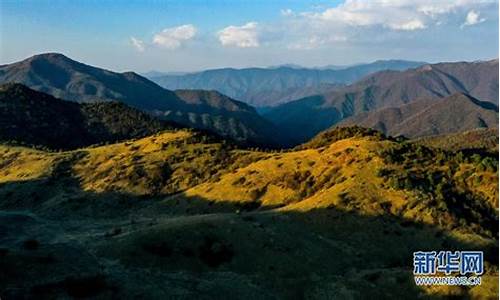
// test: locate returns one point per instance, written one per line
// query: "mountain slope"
(388, 89)
(273, 86)
(35, 118)
(64, 78)
(175, 215)
(425, 117)
(216, 112)
(213, 111)
(67, 79)
(478, 139)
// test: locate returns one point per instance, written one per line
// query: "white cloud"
(410, 25)
(137, 44)
(366, 20)
(314, 42)
(472, 18)
(174, 37)
(393, 14)
(351, 23)
(287, 12)
(245, 36)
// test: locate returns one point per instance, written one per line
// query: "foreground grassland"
(179, 214)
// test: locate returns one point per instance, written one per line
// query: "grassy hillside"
(178, 214)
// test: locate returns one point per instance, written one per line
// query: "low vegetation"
(196, 205)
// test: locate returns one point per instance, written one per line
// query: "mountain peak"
(51, 56)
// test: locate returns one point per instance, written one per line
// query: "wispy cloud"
(352, 21)
(410, 25)
(245, 36)
(174, 37)
(473, 18)
(315, 41)
(287, 12)
(137, 44)
(393, 14)
(355, 19)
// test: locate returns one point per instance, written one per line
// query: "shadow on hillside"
(194, 248)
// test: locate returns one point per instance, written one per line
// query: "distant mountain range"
(389, 89)
(428, 100)
(153, 73)
(35, 118)
(429, 116)
(263, 87)
(61, 77)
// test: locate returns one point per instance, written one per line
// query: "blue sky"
(194, 35)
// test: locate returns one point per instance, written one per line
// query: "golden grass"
(345, 167)
(342, 175)
(20, 164)
(113, 167)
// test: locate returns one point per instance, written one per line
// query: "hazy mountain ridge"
(296, 121)
(427, 117)
(213, 100)
(272, 86)
(387, 89)
(67, 79)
